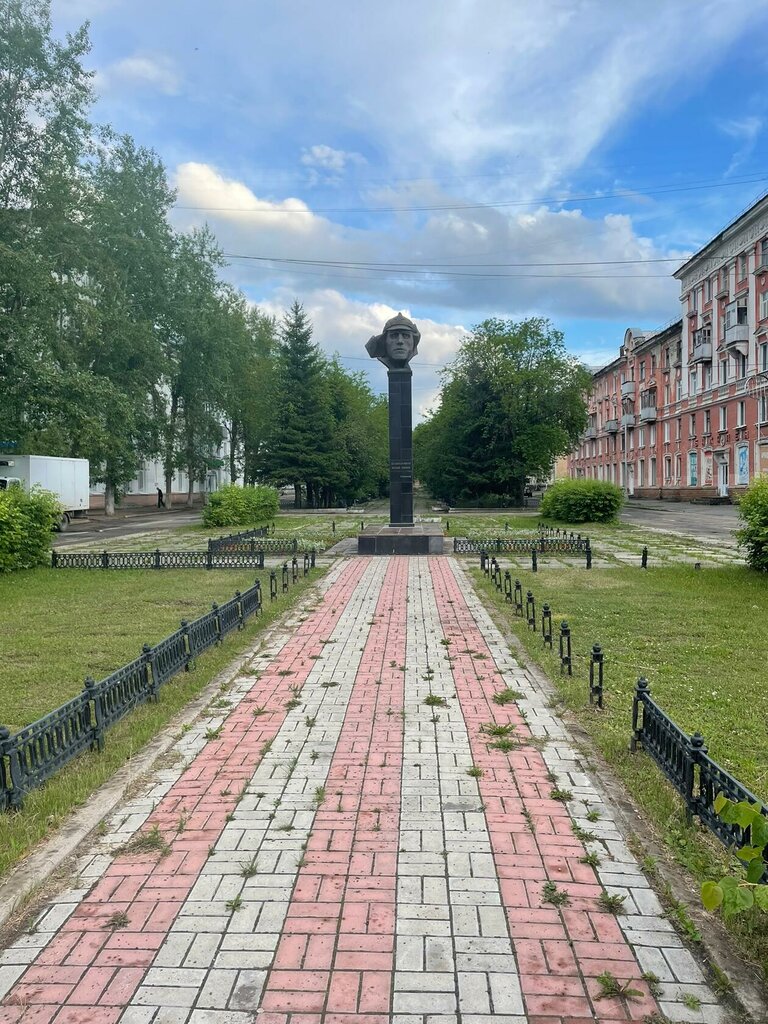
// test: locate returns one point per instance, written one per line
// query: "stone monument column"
(395, 347)
(400, 448)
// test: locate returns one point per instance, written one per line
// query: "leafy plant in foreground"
(733, 895)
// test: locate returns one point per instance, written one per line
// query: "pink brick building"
(683, 412)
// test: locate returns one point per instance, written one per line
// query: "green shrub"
(26, 521)
(582, 501)
(753, 512)
(241, 506)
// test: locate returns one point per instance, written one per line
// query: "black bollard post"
(534, 561)
(596, 675)
(588, 551)
(518, 598)
(508, 587)
(644, 558)
(272, 585)
(285, 577)
(565, 649)
(530, 610)
(546, 626)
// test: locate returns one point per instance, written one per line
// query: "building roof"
(762, 201)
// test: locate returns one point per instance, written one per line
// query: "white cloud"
(329, 159)
(153, 72)
(497, 260)
(746, 131)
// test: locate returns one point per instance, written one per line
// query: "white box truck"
(68, 479)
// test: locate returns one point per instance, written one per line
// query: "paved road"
(701, 521)
(96, 526)
(348, 844)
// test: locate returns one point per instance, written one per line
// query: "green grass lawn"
(700, 637)
(59, 626)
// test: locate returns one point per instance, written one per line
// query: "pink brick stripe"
(91, 969)
(334, 960)
(560, 950)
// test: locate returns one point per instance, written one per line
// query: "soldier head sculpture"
(397, 344)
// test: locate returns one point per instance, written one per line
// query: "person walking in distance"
(160, 499)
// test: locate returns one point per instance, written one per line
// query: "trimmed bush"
(582, 501)
(753, 512)
(241, 506)
(26, 521)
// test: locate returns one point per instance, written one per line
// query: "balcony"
(737, 336)
(589, 433)
(612, 426)
(628, 389)
(628, 419)
(702, 346)
(648, 414)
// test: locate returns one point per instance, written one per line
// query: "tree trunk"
(190, 496)
(233, 452)
(109, 498)
(296, 494)
(170, 444)
(310, 494)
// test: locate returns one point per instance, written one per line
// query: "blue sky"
(444, 136)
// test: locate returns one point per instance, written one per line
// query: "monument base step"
(422, 539)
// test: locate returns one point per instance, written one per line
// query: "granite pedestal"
(422, 539)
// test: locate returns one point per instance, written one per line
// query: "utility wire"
(422, 264)
(504, 204)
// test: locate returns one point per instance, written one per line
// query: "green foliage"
(733, 895)
(26, 521)
(511, 403)
(582, 501)
(753, 511)
(240, 506)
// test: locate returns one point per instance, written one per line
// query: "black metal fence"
(573, 545)
(685, 762)
(31, 756)
(157, 560)
(250, 541)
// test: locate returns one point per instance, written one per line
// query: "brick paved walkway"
(369, 836)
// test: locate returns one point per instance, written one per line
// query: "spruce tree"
(301, 446)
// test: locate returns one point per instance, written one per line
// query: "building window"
(668, 469)
(723, 371)
(693, 469)
(653, 361)
(652, 480)
(763, 306)
(723, 418)
(762, 358)
(707, 421)
(642, 370)
(678, 428)
(678, 468)
(692, 425)
(708, 289)
(694, 381)
(706, 376)
(652, 434)
(666, 394)
(695, 299)
(678, 390)
(741, 414)
(641, 437)
(735, 313)
(762, 409)
(724, 278)
(666, 431)
(764, 253)
(742, 272)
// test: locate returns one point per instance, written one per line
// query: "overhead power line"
(428, 265)
(504, 204)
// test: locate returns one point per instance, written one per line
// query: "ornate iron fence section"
(246, 540)
(686, 763)
(244, 559)
(31, 756)
(573, 545)
(35, 753)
